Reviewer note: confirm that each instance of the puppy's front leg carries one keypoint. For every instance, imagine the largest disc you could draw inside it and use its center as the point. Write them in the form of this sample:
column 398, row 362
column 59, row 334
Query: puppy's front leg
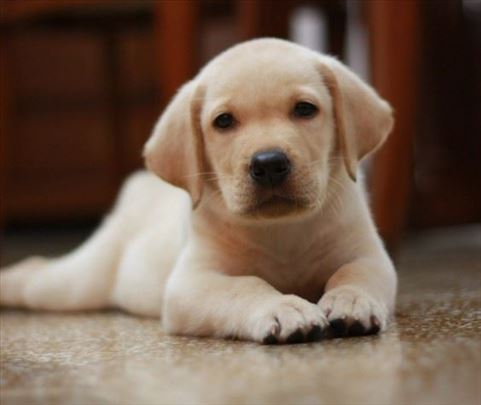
column 360, row 297
column 208, row 303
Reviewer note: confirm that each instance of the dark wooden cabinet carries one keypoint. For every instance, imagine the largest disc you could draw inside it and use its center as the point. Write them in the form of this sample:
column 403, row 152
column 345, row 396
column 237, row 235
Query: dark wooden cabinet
column 82, row 99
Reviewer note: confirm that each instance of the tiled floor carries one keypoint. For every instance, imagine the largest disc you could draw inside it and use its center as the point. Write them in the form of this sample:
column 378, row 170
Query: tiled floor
column 430, row 355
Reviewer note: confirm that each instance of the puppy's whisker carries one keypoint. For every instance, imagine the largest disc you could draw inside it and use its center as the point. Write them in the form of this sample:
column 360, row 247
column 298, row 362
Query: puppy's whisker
column 200, row 174
column 218, row 177
column 215, row 194
column 328, row 162
column 334, row 195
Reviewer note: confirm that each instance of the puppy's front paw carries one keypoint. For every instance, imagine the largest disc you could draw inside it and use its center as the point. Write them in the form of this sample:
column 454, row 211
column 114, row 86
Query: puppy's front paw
column 289, row 319
column 352, row 312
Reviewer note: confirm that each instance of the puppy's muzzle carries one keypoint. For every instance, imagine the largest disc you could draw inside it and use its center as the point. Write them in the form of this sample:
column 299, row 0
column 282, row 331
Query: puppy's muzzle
column 270, row 168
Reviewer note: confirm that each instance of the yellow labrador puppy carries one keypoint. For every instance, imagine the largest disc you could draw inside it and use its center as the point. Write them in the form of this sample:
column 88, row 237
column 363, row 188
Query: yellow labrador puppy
column 266, row 141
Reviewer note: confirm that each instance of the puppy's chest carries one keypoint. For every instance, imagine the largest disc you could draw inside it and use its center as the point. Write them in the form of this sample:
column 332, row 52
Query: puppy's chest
column 297, row 270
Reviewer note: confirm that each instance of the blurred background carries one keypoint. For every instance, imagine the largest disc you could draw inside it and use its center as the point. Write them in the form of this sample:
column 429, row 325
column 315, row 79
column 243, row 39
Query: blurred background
column 83, row 81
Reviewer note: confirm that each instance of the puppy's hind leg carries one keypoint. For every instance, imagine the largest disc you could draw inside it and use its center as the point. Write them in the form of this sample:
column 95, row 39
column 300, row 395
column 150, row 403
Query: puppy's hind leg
column 80, row 280
column 14, row 278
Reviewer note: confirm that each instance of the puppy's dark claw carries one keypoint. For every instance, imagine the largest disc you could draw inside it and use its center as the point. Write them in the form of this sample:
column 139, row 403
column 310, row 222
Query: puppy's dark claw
column 315, row 334
column 338, row 327
column 270, row 340
column 376, row 326
column 342, row 328
column 356, row 329
column 296, row 337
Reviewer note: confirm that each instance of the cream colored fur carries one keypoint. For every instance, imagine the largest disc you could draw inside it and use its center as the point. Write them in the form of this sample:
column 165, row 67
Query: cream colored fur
column 246, row 263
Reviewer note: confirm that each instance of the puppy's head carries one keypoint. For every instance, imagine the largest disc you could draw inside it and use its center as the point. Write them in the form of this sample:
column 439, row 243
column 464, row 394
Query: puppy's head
column 264, row 127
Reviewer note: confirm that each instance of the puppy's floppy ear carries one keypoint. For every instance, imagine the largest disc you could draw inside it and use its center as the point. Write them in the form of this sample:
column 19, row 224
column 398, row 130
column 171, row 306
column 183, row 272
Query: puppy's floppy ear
column 174, row 151
column 363, row 119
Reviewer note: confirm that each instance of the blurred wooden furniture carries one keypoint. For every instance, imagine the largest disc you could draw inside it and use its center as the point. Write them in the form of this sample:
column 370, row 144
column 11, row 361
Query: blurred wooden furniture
column 82, row 98
column 447, row 147
column 394, row 29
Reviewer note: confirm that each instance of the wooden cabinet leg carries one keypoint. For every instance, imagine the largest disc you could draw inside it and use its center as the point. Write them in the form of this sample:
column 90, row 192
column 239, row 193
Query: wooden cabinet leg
column 394, row 39
column 177, row 28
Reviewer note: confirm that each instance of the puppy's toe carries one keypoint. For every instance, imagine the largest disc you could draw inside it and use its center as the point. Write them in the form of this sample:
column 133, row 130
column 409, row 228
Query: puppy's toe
column 292, row 320
column 270, row 340
column 356, row 329
column 315, row 334
column 268, row 330
column 375, row 326
column 296, row 337
column 338, row 327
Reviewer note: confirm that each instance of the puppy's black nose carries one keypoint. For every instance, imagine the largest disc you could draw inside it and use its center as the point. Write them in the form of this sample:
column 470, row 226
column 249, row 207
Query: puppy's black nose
column 269, row 168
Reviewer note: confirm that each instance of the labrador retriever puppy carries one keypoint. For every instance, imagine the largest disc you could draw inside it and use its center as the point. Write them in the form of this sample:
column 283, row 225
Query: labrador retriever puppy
column 257, row 228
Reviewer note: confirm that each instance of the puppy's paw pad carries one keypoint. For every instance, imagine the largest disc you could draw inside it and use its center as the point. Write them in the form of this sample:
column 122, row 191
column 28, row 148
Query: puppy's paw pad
column 352, row 312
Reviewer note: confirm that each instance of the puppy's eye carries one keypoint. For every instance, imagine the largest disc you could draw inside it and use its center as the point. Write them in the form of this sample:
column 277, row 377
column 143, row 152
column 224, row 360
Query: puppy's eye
column 303, row 109
column 224, row 121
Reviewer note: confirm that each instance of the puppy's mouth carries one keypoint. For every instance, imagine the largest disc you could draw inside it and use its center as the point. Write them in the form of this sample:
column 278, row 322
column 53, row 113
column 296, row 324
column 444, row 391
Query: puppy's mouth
column 276, row 205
